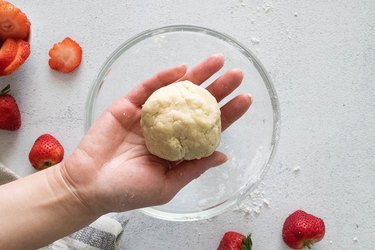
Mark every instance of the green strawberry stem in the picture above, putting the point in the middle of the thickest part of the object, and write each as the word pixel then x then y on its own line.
pixel 5 90
pixel 308 243
pixel 247 243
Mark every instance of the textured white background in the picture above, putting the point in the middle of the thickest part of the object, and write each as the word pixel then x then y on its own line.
pixel 321 57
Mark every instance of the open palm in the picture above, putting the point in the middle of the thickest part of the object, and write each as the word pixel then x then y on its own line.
pixel 112 170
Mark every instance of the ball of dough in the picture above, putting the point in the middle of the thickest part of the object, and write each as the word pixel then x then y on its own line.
pixel 181 121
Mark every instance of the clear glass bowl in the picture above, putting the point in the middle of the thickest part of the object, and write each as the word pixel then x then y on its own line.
pixel 250 143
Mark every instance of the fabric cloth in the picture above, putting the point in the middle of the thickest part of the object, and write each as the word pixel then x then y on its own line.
pixel 6 175
pixel 102 234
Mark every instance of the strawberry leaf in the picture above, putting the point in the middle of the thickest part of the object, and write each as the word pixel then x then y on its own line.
pixel 5 90
pixel 247 243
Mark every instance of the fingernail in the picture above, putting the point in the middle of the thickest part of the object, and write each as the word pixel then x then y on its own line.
pixel 225 159
pixel 250 97
pixel 222 158
pixel 182 67
pixel 238 71
pixel 217 55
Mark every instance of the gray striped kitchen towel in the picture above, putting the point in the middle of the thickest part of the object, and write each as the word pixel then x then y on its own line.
pixel 102 234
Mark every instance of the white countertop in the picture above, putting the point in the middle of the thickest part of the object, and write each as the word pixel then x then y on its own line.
pixel 321 58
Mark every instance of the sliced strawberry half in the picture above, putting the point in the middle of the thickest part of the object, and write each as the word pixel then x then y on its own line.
pixel 22 53
pixel 8 52
pixel 13 22
pixel 66 56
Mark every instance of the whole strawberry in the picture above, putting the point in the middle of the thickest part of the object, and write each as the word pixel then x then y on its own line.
pixel 235 241
pixel 46 152
pixel 302 230
pixel 10 117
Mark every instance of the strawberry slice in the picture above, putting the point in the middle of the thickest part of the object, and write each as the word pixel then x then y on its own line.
pixel 13 22
pixel 66 56
pixel 8 52
pixel 22 53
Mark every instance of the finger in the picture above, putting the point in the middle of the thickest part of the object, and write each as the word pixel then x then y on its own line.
pixel 205 69
pixel 225 84
pixel 183 173
pixel 125 113
pixel 126 109
pixel 234 109
pixel 139 95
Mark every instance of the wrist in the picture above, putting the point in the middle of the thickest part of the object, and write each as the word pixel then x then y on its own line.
pixel 68 195
pixel 79 175
pixel 39 209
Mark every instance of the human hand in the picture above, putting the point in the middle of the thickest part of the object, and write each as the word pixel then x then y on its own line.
pixel 112 170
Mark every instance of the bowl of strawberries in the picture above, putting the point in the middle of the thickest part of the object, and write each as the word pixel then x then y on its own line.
pixel 15 35
pixel 249 143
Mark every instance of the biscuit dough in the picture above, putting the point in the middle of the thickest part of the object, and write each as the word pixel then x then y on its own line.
pixel 181 121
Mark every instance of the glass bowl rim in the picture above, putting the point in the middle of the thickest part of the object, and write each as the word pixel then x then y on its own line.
pixel 225 205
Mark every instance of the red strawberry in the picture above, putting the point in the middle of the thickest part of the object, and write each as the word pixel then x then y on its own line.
pixel 46 152
pixel 10 117
pixel 66 56
pixel 13 22
pixel 302 230
pixel 8 52
pixel 235 241
pixel 22 53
